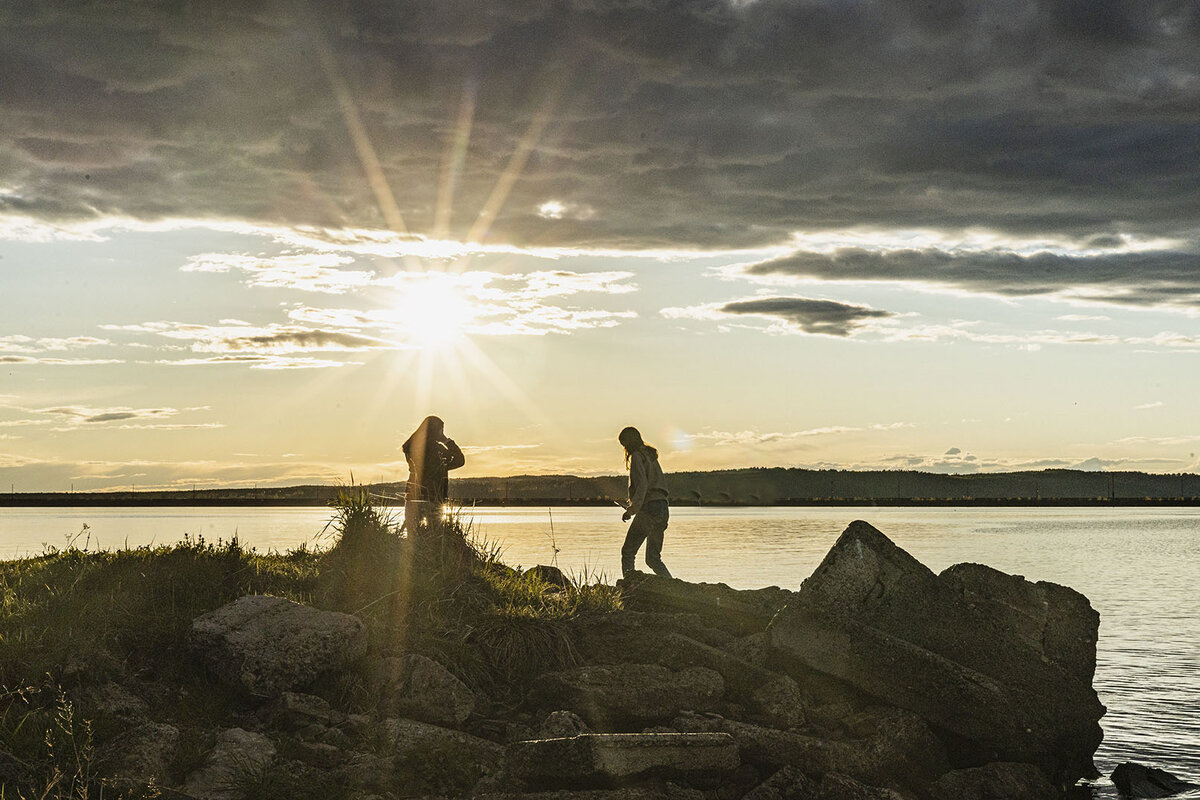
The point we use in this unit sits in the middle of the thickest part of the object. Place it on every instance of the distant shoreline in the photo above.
(735, 488)
(100, 501)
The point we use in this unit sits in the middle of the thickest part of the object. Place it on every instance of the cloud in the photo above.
(1154, 277)
(26, 344)
(700, 124)
(802, 314)
(953, 451)
(782, 439)
(482, 303)
(241, 338)
(260, 362)
(309, 272)
(71, 418)
(59, 362)
(1146, 406)
(826, 317)
(86, 415)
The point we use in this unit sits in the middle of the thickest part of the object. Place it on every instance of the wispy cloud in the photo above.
(241, 338)
(59, 362)
(88, 415)
(483, 303)
(260, 362)
(27, 344)
(78, 417)
(308, 272)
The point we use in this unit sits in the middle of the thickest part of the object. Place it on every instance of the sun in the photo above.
(434, 313)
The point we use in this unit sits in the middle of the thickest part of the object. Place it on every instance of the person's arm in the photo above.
(454, 456)
(637, 484)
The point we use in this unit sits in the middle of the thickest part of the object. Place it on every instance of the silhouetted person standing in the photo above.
(431, 455)
(647, 504)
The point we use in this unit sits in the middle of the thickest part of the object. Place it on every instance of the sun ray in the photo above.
(361, 140)
(516, 164)
(452, 161)
(505, 385)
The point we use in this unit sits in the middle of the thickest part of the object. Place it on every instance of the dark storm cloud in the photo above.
(1158, 277)
(706, 123)
(811, 316)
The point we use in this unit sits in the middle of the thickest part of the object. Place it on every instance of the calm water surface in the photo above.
(1139, 567)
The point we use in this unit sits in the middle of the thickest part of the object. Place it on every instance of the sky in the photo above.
(256, 243)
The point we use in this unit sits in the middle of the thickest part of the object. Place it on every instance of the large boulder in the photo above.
(591, 759)
(270, 645)
(1138, 780)
(1002, 666)
(420, 688)
(999, 781)
(739, 612)
(613, 696)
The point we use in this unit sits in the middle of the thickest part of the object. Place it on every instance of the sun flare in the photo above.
(434, 313)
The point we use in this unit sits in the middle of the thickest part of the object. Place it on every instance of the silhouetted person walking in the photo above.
(647, 504)
(431, 455)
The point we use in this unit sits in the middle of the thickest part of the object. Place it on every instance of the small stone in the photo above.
(587, 758)
(236, 758)
(561, 725)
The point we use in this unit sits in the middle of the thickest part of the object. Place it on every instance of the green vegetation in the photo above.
(74, 621)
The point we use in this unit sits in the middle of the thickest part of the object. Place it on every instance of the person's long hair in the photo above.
(631, 439)
(417, 445)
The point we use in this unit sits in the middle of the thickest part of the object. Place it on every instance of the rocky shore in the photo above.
(876, 680)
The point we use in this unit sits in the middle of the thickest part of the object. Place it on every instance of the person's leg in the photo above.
(654, 545)
(633, 540)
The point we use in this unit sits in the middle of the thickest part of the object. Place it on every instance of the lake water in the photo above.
(1139, 567)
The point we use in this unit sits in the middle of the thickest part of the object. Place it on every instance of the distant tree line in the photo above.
(740, 487)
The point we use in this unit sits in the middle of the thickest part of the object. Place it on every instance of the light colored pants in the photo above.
(648, 526)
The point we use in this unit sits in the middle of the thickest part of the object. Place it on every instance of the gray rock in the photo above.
(141, 755)
(560, 725)
(551, 575)
(614, 695)
(780, 701)
(294, 710)
(115, 702)
(238, 758)
(409, 738)
(420, 688)
(270, 645)
(639, 638)
(1003, 664)
(623, 793)
(788, 783)
(589, 759)
(998, 781)
(839, 787)
(739, 612)
(1138, 780)
(895, 749)
(319, 754)
(752, 649)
